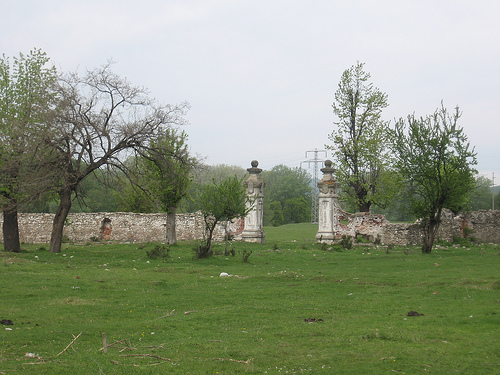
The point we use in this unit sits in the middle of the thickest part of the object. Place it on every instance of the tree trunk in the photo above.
(59, 220)
(171, 238)
(11, 231)
(430, 231)
(361, 193)
(209, 239)
(364, 207)
(206, 247)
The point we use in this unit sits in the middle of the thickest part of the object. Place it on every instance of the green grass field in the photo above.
(293, 308)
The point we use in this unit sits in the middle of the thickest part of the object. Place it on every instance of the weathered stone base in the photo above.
(253, 236)
(325, 237)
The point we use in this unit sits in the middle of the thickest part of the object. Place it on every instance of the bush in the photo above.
(246, 254)
(202, 250)
(158, 252)
(323, 246)
(346, 242)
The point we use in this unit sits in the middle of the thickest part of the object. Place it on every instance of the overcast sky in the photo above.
(260, 76)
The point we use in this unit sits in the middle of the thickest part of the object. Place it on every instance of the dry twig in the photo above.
(166, 316)
(146, 355)
(124, 341)
(235, 360)
(71, 343)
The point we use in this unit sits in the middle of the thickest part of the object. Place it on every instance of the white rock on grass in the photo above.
(224, 274)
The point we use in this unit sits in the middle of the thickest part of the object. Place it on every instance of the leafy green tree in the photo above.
(399, 209)
(434, 156)
(481, 196)
(202, 175)
(297, 210)
(283, 184)
(220, 201)
(102, 116)
(276, 214)
(359, 143)
(27, 98)
(165, 168)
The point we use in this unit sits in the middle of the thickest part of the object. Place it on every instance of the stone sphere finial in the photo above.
(255, 163)
(328, 163)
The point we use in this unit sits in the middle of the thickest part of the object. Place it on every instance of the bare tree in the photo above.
(102, 117)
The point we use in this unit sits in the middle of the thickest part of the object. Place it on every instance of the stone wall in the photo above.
(482, 225)
(129, 227)
(119, 227)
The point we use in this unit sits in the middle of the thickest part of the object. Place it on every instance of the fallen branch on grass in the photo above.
(235, 360)
(166, 316)
(71, 343)
(123, 348)
(146, 355)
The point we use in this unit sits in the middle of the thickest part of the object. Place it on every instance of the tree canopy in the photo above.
(359, 142)
(220, 201)
(287, 195)
(433, 154)
(27, 101)
(164, 172)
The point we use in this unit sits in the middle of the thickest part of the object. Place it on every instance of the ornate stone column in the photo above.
(254, 185)
(327, 205)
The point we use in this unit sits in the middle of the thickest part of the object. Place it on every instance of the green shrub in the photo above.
(323, 246)
(346, 242)
(202, 250)
(337, 248)
(65, 239)
(158, 252)
(246, 254)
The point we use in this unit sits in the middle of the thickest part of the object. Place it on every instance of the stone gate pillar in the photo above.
(327, 205)
(253, 230)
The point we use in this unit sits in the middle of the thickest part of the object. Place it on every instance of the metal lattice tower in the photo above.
(316, 161)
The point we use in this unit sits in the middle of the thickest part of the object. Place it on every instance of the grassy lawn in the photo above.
(293, 308)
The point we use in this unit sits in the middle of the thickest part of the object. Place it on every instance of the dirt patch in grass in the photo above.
(481, 284)
(74, 301)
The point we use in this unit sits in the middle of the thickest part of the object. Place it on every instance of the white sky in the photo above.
(261, 75)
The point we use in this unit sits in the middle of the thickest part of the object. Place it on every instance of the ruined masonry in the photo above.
(253, 230)
(334, 222)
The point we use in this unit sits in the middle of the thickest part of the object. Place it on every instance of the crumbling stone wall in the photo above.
(482, 225)
(365, 224)
(130, 227)
(121, 227)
